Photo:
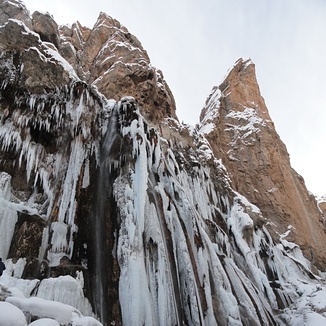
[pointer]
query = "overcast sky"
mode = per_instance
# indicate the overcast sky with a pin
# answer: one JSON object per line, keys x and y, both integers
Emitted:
{"x": 195, "y": 42}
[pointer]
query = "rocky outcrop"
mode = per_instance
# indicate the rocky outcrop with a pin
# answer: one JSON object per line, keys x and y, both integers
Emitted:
{"x": 113, "y": 60}
{"x": 321, "y": 201}
{"x": 237, "y": 124}
{"x": 106, "y": 56}
{"x": 30, "y": 64}
{"x": 46, "y": 27}
{"x": 14, "y": 9}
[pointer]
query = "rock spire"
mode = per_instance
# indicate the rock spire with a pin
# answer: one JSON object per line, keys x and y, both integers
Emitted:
{"x": 236, "y": 122}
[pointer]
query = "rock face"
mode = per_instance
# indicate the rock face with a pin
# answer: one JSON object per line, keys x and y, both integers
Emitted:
{"x": 14, "y": 10}
{"x": 30, "y": 63}
{"x": 113, "y": 60}
{"x": 107, "y": 57}
{"x": 237, "y": 124}
{"x": 110, "y": 205}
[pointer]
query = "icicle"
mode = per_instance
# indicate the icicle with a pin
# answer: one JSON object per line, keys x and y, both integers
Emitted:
{"x": 44, "y": 244}
{"x": 8, "y": 216}
{"x": 32, "y": 101}
{"x": 79, "y": 109}
{"x": 76, "y": 160}
{"x": 4, "y": 84}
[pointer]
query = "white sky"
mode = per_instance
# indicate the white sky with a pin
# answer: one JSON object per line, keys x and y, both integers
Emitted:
{"x": 194, "y": 42}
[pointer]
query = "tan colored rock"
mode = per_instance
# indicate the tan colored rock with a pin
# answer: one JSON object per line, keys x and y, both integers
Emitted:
{"x": 238, "y": 126}
{"x": 14, "y": 9}
{"x": 322, "y": 206}
{"x": 46, "y": 27}
{"x": 30, "y": 63}
{"x": 106, "y": 56}
{"x": 14, "y": 35}
{"x": 113, "y": 60}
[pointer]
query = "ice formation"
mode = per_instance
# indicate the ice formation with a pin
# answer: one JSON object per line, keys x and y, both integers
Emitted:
{"x": 187, "y": 246}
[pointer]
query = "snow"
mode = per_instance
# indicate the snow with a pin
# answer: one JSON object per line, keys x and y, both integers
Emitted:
{"x": 56, "y": 297}
{"x": 211, "y": 113}
{"x": 49, "y": 312}
{"x": 321, "y": 199}
{"x": 45, "y": 322}
{"x": 63, "y": 62}
{"x": 252, "y": 124}
{"x": 309, "y": 309}
{"x": 10, "y": 315}
{"x": 41, "y": 308}
{"x": 22, "y": 24}
{"x": 246, "y": 61}
{"x": 50, "y": 54}
{"x": 207, "y": 128}
{"x": 246, "y": 203}
{"x": 241, "y": 122}
{"x": 67, "y": 290}
{"x": 14, "y": 4}
{"x": 24, "y": 287}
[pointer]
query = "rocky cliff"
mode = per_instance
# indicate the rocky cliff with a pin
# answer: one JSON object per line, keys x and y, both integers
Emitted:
{"x": 237, "y": 124}
{"x": 111, "y": 206}
{"x": 107, "y": 57}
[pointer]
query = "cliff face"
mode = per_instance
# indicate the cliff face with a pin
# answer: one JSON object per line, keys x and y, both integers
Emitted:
{"x": 237, "y": 124}
{"x": 114, "y": 61}
{"x": 107, "y": 57}
{"x": 110, "y": 205}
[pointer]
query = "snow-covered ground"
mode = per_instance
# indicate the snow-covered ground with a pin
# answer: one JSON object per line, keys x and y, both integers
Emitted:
{"x": 17, "y": 309}
{"x": 309, "y": 309}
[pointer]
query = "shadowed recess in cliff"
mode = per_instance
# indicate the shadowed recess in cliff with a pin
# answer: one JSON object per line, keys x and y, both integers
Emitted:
{"x": 104, "y": 224}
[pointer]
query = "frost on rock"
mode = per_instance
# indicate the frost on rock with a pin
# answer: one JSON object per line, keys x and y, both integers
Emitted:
{"x": 211, "y": 112}
{"x": 246, "y": 123}
{"x": 135, "y": 297}
{"x": 63, "y": 121}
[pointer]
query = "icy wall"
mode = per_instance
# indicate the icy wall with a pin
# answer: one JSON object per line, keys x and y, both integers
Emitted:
{"x": 155, "y": 227}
